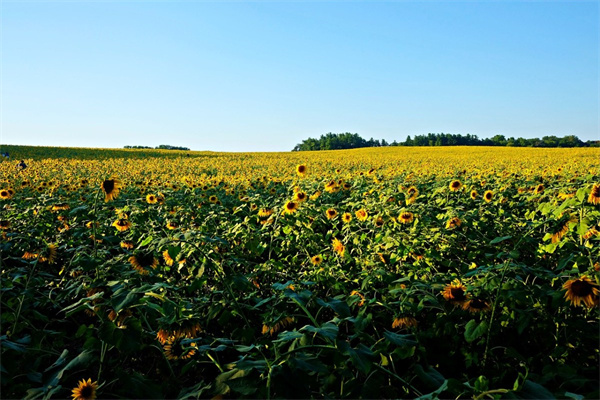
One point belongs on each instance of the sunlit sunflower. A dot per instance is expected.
(301, 170)
(151, 199)
(142, 261)
(213, 199)
(127, 244)
(60, 206)
(539, 189)
(316, 260)
(488, 196)
(315, 195)
(591, 233)
(168, 260)
(174, 348)
(455, 292)
(455, 185)
(474, 194)
(560, 232)
(406, 217)
(265, 212)
(385, 258)
(412, 191)
(111, 188)
(476, 305)
(581, 291)
(404, 322)
(594, 197)
(331, 213)
(290, 207)
(361, 214)
(85, 390)
(122, 224)
(332, 187)
(338, 247)
(4, 194)
(453, 223)
(346, 217)
(300, 196)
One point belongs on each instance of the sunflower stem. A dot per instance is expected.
(102, 354)
(22, 298)
(487, 340)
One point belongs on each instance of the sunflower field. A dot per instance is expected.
(373, 273)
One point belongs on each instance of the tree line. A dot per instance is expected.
(347, 140)
(161, 147)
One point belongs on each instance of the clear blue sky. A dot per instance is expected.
(263, 76)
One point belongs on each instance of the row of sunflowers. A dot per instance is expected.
(370, 273)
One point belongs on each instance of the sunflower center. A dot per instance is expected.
(108, 185)
(86, 392)
(457, 293)
(581, 288)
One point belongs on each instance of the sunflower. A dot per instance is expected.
(404, 322)
(213, 199)
(316, 260)
(406, 217)
(453, 223)
(338, 247)
(346, 186)
(111, 188)
(594, 197)
(85, 390)
(330, 213)
(346, 217)
(28, 255)
(591, 233)
(172, 225)
(455, 292)
(361, 214)
(50, 255)
(127, 244)
(168, 259)
(560, 232)
(60, 206)
(301, 170)
(122, 224)
(174, 349)
(412, 192)
(476, 305)
(151, 199)
(332, 187)
(4, 225)
(300, 196)
(539, 189)
(488, 196)
(474, 194)
(265, 212)
(315, 195)
(4, 194)
(160, 198)
(455, 185)
(581, 290)
(142, 261)
(282, 323)
(290, 207)
(379, 221)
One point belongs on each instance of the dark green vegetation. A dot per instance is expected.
(337, 141)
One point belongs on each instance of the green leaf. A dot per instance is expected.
(500, 239)
(400, 340)
(327, 330)
(474, 330)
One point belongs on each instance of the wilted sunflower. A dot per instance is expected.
(581, 291)
(122, 224)
(316, 260)
(362, 298)
(301, 169)
(488, 196)
(50, 254)
(594, 197)
(127, 244)
(142, 261)
(346, 217)
(282, 323)
(455, 292)
(361, 214)
(406, 217)
(338, 247)
(560, 232)
(476, 305)
(404, 322)
(455, 185)
(290, 207)
(174, 349)
(111, 188)
(151, 199)
(453, 223)
(4, 225)
(330, 213)
(85, 390)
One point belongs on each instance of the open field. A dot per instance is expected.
(375, 273)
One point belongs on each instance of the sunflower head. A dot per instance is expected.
(122, 224)
(330, 213)
(346, 217)
(301, 170)
(404, 322)
(290, 207)
(476, 305)
(406, 217)
(151, 199)
(581, 291)
(455, 185)
(316, 260)
(127, 244)
(453, 222)
(361, 214)
(338, 247)
(111, 188)
(455, 292)
(300, 196)
(488, 196)
(594, 197)
(142, 261)
(85, 390)
(474, 194)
